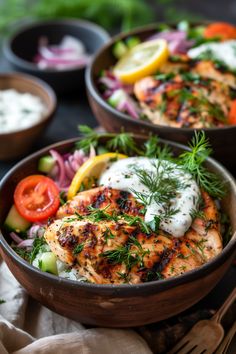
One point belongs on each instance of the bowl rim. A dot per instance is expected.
(20, 62)
(93, 89)
(153, 286)
(43, 86)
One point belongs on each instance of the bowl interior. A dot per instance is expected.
(24, 44)
(29, 166)
(108, 305)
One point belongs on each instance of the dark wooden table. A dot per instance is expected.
(73, 110)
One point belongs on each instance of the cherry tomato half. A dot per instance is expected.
(36, 197)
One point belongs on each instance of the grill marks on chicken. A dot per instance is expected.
(190, 94)
(100, 198)
(110, 251)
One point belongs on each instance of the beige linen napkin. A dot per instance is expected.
(26, 327)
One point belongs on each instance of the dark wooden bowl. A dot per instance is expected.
(22, 46)
(18, 143)
(223, 140)
(114, 305)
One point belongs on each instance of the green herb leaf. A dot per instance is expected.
(79, 248)
(192, 161)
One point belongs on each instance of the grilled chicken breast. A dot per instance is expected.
(111, 250)
(208, 70)
(182, 100)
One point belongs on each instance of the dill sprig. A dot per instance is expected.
(192, 161)
(153, 149)
(129, 254)
(123, 142)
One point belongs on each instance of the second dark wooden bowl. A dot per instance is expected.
(114, 305)
(223, 140)
(22, 46)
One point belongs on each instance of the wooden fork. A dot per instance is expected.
(206, 335)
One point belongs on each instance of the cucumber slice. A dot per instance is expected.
(48, 263)
(117, 97)
(46, 164)
(14, 221)
(132, 41)
(119, 49)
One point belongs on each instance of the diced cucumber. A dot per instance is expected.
(119, 49)
(132, 41)
(183, 26)
(48, 263)
(14, 221)
(117, 97)
(46, 164)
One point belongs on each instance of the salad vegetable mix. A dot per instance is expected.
(86, 214)
(179, 77)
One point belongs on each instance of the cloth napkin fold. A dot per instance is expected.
(26, 327)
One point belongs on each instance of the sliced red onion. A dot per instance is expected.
(26, 243)
(69, 171)
(62, 172)
(69, 53)
(15, 237)
(169, 35)
(36, 230)
(177, 41)
(129, 107)
(73, 163)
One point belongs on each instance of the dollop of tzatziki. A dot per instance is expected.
(19, 110)
(223, 51)
(141, 175)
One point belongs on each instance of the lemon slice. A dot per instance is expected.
(92, 168)
(142, 60)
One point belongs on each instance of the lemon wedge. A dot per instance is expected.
(142, 60)
(91, 169)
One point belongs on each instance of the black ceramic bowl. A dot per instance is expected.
(223, 140)
(114, 305)
(22, 46)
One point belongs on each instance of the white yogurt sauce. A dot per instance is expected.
(223, 51)
(19, 110)
(122, 175)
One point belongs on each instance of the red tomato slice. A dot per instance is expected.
(36, 197)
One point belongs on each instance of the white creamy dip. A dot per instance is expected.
(223, 51)
(122, 175)
(19, 110)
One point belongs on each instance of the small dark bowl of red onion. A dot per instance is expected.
(57, 51)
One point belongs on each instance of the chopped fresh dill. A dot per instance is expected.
(39, 245)
(130, 254)
(153, 149)
(192, 161)
(78, 248)
(62, 197)
(107, 234)
(123, 142)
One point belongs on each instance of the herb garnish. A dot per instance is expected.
(79, 248)
(130, 254)
(2, 301)
(192, 161)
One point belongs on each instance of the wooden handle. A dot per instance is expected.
(222, 310)
(227, 340)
